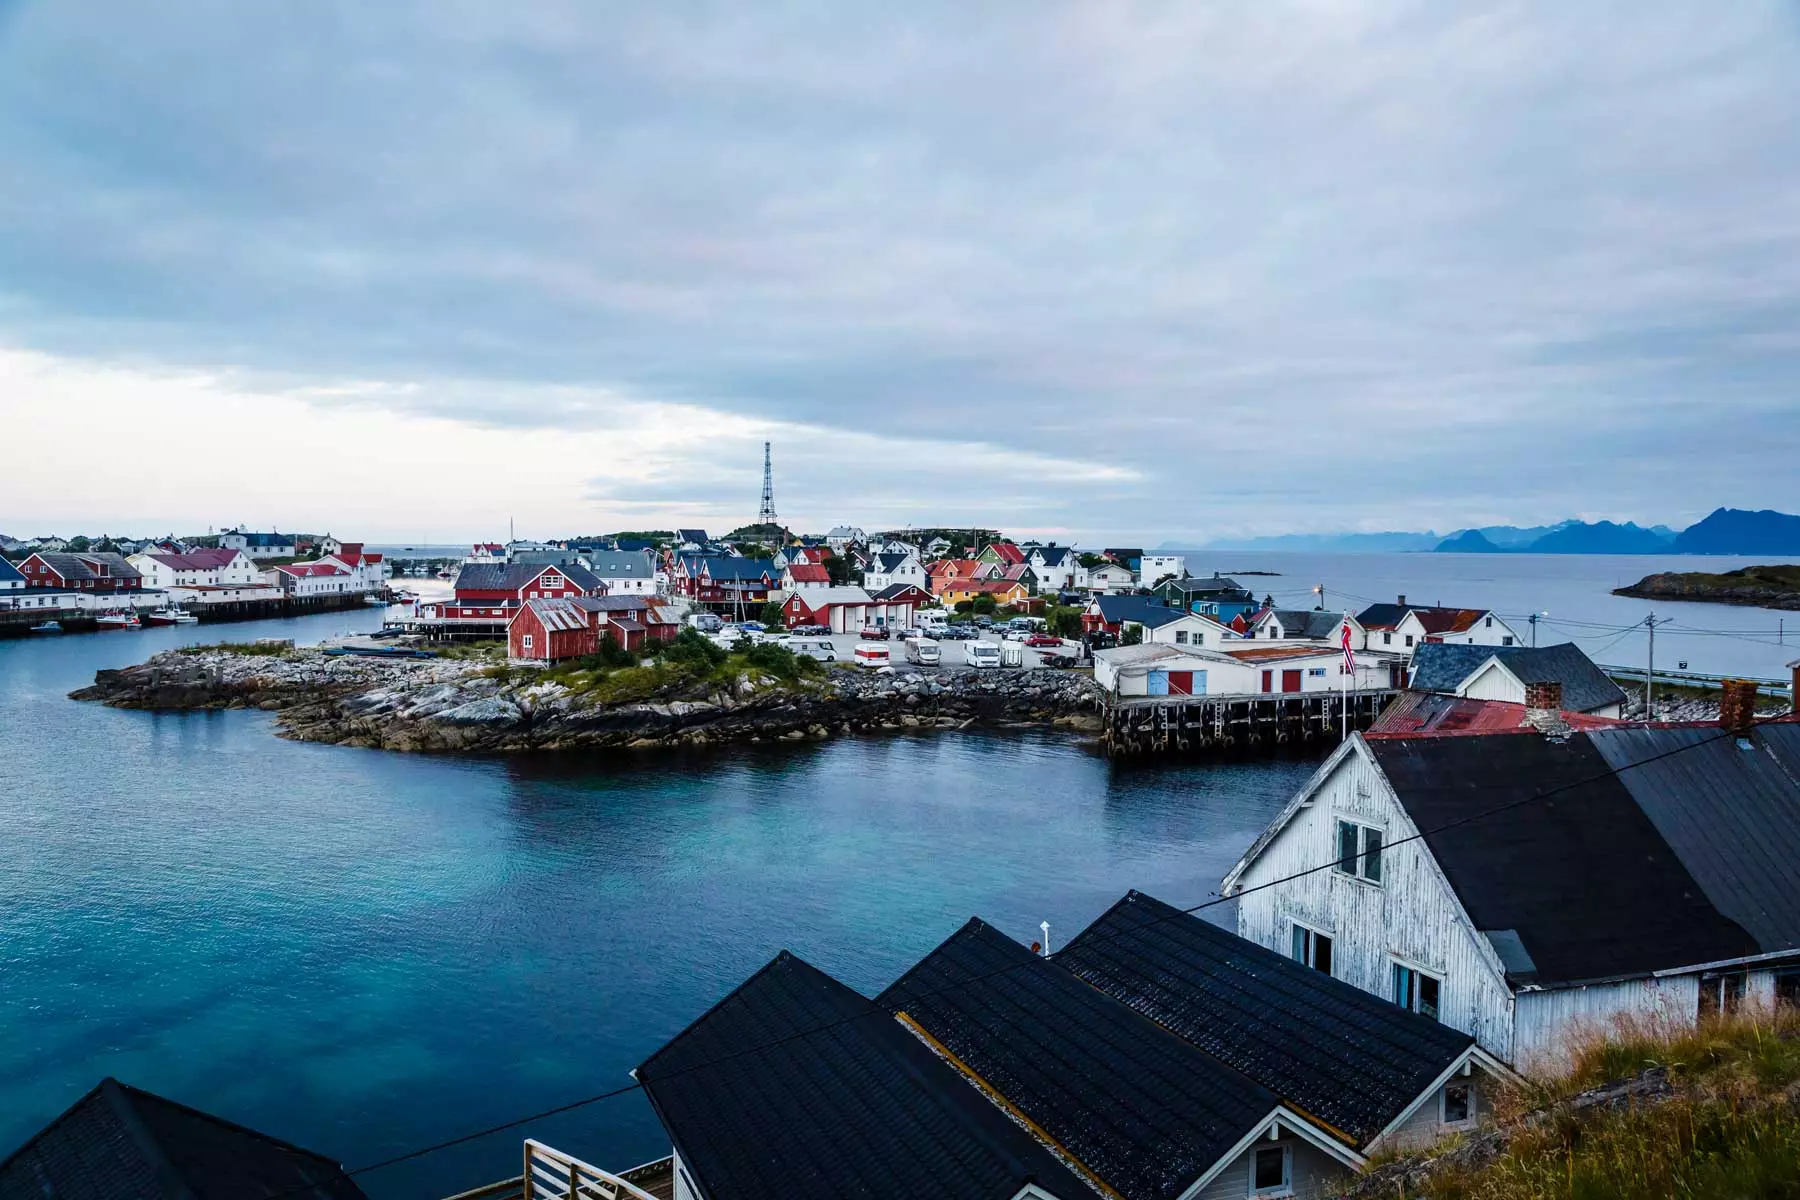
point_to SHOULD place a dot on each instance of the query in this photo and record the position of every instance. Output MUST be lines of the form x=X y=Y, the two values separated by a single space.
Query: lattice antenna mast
x=767 y=515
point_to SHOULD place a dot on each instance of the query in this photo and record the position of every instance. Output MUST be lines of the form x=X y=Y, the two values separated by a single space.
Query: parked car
x=912 y=631
x=812 y=630
x=874 y=633
x=754 y=627
x=1015 y=635
x=984 y=622
x=1042 y=639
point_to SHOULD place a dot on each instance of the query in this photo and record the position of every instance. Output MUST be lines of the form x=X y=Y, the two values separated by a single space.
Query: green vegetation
x=1063 y=621
x=494 y=650
x=1727 y=1130
x=690 y=662
x=274 y=648
x=772 y=616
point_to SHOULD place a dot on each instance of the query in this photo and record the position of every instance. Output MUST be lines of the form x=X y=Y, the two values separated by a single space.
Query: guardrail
x=552 y=1175
x=1773 y=687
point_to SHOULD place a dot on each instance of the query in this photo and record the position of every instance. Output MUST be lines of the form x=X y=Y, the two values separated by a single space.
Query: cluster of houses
x=159 y=574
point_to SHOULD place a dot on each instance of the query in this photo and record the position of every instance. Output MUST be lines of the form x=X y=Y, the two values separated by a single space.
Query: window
x=1414 y=989
x=1458 y=1103
x=1506 y=641
x=528 y=641
x=1721 y=994
x=1312 y=948
x=1359 y=850
x=1181 y=637
x=1316 y=672
x=1787 y=988
x=1409 y=638
x=1488 y=623
x=1269 y=1171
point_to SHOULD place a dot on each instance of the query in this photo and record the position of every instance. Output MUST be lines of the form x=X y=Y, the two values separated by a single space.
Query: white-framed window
x=1409 y=638
x=527 y=641
x=1318 y=672
x=1359 y=850
x=1488 y=623
x=1506 y=641
x=1270 y=1173
x=1416 y=990
x=1181 y=637
x=1311 y=947
x=1456 y=1103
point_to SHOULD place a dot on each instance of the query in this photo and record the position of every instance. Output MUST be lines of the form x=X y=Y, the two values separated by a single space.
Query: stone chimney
x=1543 y=709
x=1737 y=706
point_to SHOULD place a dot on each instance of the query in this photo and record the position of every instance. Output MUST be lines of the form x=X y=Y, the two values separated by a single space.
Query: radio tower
x=767 y=515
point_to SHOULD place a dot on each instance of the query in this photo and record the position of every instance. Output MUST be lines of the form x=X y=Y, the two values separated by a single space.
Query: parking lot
x=950 y=653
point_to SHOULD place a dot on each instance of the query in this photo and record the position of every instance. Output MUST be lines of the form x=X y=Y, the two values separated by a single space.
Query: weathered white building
x=890 y=567
x=1403 y=627
x=1507 y=673
x=259 y=545
x=223 y=567
x=1627 y=871
x=1154 y=568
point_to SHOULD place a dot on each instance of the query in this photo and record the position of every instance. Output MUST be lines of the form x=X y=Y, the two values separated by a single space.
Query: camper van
x=981 y=654
x=873 y=657
x=923 y=652
x=931 y=619
x=813 y=647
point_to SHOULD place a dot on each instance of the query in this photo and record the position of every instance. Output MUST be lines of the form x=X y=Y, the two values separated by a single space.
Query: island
x=480 y=706
x=1771 y=586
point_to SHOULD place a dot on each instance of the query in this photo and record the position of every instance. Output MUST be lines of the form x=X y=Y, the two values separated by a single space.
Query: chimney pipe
x=1737 y=706
x=1402 y=600
x=1794 y=687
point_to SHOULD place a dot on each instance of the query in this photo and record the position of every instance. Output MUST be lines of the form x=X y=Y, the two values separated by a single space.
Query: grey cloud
x=1287 y=265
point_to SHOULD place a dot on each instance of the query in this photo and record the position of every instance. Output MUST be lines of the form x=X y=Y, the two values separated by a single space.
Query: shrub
x=693 y=647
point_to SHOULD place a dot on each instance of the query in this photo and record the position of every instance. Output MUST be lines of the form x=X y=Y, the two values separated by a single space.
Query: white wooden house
x=1153 y=568
x=1589 y=880
x=1403 y=627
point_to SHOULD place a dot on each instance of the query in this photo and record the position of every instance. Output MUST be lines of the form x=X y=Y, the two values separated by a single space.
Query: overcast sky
x=410 y=268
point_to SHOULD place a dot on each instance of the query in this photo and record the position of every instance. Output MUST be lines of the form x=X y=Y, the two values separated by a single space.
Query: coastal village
x=1496 y=855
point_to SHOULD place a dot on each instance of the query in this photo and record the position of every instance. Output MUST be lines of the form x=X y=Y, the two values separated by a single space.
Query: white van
x=873 y=656
x=923 y=652
x=813 y=647
x=981 y=654
x=931 y=618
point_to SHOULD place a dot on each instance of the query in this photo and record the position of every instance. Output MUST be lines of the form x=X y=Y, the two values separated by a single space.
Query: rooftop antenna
x=767 y=515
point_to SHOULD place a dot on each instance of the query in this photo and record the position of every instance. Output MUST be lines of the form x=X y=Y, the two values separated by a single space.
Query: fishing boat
x=174 y=614
x=47 y=627
x=117 y=619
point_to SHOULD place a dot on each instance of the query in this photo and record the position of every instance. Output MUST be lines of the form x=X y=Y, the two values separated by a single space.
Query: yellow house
x=1004 y=591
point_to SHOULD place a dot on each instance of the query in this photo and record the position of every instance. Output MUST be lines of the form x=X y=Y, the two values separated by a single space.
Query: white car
x=1017 y=635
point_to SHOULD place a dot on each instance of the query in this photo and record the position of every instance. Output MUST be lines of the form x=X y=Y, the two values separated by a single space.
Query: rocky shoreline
x=438 y=706
x=1758 y=587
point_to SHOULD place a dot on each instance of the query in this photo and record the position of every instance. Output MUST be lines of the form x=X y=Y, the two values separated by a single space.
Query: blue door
x=1156 y=683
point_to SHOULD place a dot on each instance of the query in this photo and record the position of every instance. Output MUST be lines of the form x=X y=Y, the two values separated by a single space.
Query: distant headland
x=1723 y=531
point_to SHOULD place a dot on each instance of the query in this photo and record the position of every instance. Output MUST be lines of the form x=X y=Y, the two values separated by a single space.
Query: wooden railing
x=553 y=1175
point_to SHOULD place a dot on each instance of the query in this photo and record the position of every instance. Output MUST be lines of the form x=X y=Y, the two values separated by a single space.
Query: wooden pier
x=1235 y=725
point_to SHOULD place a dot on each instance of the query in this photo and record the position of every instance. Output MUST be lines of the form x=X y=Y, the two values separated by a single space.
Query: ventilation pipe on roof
x=1045 y=926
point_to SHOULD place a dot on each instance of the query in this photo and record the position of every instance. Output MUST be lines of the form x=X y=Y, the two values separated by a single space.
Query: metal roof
x=127 y=1144
x=1313 y=623
x=1338 y=1053
x=558 y=615
x=1142 y=1109
x=510 y=577
x=860 y=1109
x=1730 y=809
x=620 y=564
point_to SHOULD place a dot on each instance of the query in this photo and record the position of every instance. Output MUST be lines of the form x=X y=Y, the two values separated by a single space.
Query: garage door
x=1290 y=681
x=1181 y=683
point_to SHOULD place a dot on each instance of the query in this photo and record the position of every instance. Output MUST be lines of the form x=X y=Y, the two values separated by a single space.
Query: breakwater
x=463 y=707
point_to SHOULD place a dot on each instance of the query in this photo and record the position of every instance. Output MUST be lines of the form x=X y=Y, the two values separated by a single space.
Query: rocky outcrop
x=1763 y=587
x=439 y=706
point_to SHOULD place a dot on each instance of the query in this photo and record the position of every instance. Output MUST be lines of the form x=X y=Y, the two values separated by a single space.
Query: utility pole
x=1320 y=590
x=1533 y=618
x=1650 y=623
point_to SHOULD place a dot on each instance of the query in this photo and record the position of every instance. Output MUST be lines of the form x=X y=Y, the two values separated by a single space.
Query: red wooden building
x=88 y=572
x=553 y=629
x=496 y=591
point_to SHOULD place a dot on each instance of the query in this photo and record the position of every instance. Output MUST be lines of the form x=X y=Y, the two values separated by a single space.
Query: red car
x=874 y=633
x=1042 y=639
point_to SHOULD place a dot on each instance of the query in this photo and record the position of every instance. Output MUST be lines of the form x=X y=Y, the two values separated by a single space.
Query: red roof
x=808 y=573
x=197 y=560
x=307 y=570
x=1007 y=552
x=1283 y=653
x=1430 y=714
x=1448 y=620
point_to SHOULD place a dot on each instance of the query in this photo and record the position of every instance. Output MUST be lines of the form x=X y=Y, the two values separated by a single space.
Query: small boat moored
x=117 y=619
x=172 y=615
x=47 y=627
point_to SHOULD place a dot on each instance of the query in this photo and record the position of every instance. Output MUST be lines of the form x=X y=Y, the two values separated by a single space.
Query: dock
x=1257 y=724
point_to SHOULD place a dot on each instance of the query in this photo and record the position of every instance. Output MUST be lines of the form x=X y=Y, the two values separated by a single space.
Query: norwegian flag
x=1349 y=658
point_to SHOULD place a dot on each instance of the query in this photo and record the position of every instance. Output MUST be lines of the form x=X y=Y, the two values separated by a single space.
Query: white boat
x=47 y=627
x=174 y=614
x=118 y=619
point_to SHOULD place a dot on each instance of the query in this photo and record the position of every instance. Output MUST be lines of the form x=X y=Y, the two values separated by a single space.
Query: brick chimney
x=1737 y=706
x=1794 y=687
x=1543 y=709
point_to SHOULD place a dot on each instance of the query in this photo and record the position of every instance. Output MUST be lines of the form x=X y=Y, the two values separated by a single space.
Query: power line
x=811 y=1031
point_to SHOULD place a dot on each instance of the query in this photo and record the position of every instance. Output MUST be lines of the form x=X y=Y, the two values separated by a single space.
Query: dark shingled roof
x=1444 y=666
x=1308 y=622
x=510 y=577
x=1338 y=1053
x=1142 y=1109
x=9 y=573
x=1196 y=585
x=81 y=566
x=1582 y=876
x=122 y=1143
x=696 y=536
x=860 y=1109
x=1114 y=609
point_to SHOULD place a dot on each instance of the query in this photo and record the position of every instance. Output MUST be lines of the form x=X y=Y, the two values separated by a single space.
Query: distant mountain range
x=1724 y=531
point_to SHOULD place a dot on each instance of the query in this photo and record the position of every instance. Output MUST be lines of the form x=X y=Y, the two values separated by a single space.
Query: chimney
x=1737 y=706
x=1543 y=709
x=1402 y=600
x=1794 y=687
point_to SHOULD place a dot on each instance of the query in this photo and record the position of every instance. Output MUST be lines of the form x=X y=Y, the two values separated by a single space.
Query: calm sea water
x=366 y=952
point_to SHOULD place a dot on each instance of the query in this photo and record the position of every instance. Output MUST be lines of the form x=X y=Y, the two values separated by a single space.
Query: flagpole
x=1349 y=669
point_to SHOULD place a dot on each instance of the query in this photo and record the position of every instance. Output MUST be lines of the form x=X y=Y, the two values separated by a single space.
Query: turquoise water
x=365 y=952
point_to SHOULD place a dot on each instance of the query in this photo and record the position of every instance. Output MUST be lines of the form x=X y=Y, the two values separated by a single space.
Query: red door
x=1181 y=683
x=1290 y=681
x=1268 y=681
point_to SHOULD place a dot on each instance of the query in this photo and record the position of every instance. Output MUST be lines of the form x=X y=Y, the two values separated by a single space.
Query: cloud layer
x=1101 y=268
